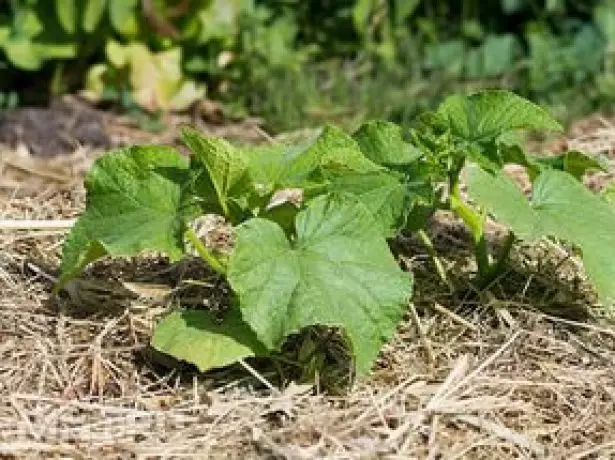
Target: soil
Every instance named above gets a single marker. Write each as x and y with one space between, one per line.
68 124
58 129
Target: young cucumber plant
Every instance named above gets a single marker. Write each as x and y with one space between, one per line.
475 135
323 259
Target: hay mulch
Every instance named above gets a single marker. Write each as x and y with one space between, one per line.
523 370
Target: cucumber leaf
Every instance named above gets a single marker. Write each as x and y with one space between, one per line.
573 162
136 201
193 336
560 207
226 166
338 271
484 116
503 199
384 195
383 143
332 151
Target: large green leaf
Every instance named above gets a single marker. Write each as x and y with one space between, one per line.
266 165
571 212
486 115
193 336
383 143
561 207
332 151
338 271
501 196
384 195
225 164
136 201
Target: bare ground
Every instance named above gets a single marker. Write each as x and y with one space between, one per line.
523 370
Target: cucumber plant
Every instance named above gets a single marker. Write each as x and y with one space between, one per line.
323 259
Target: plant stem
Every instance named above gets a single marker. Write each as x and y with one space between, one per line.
481 252
504 252
204 253
475 222
497 268
436 260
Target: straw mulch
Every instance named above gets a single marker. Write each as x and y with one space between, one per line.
523 370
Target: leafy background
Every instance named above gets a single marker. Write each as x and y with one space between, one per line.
297 62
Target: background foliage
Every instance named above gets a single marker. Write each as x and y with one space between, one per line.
296 62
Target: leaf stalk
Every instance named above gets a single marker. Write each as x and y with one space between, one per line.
431 250
204 253
475 222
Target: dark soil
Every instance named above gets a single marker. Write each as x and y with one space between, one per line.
57 129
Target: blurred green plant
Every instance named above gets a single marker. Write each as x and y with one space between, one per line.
292 61
154 81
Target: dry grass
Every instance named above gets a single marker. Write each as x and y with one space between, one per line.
501 380
523 370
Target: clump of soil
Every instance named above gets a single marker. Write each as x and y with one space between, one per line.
60 128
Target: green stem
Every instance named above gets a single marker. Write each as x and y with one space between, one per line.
497 268
436 260
204 253
475 222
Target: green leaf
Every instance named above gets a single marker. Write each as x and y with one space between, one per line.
609 195
338 271
332 151
266 165
383 143
193 336
135 202
225 164
94 10
486 115
123 16
310 165
501 196
571 212
383 194
307 163
560 207
511 151
573 162
67 15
